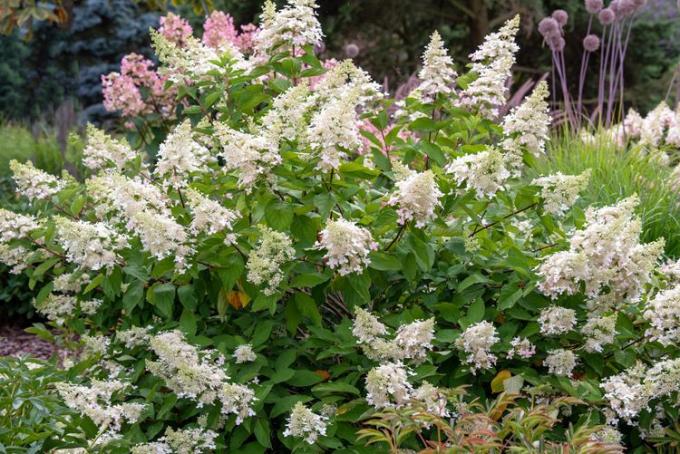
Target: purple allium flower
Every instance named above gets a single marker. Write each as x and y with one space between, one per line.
626 7
351 50
548 27
591 43
557 43
561 16
594 6
606 16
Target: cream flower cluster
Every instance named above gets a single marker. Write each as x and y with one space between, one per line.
347 246
193 376
14 257
294 25
560 362
244 354
663 315
32 183
387 386
411 341
416 196
135 336
180 441
476 342
559 192
598 332
304 423
437 75
57 307
485 172
632 390
95 402
209 216
529 123
522 347
556 320
15 226
606 256
273 250
251 155
492 63
104 151
90 246
180 156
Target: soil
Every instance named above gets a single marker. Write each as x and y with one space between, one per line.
14 341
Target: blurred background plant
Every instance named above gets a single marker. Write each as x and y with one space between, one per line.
41 146
58 51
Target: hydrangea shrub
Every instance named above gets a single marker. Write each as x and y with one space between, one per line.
303 256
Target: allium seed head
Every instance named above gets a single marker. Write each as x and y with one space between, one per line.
548 27
591 43
561 16
351 50
594 6
607 16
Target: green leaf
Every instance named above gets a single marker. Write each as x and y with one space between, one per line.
262 432
279 215
306 306
163 297
187 297
382 261
476 312
304 378
188 322
325 389
308 280
262 333
134 296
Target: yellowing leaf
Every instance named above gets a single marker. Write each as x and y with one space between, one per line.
497 382
237 300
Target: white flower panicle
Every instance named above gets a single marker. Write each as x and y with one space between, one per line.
334 131
347 246
304 423
292 27
32 183
161 236
476 341
655 124
598 332
347 79
251 155
180 156
416 196
663 315
103 151
193 61
433 398
287 119
606 256
522 347
244 354
632 390
366 327
387 386
180 441
58 307
273 250
560 192
70 282
492 63
209 216
194 376
14 257
437 75
560 362
135 336
95 401
414 339
15 226
556 320
90 246
529 123
485 172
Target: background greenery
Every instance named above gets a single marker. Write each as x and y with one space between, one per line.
65 61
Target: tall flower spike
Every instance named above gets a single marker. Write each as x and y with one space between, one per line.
529 122
304 423
559 192
180 156
209 216
292 27
485 172
273 250
416 196
90 246
103 151
492 63
347 246
34 183
437 75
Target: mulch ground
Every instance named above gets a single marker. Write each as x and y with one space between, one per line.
14 341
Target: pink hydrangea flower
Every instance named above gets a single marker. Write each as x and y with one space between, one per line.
247 37
175 29
121 93
219 29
